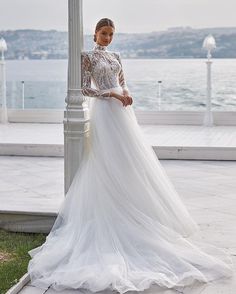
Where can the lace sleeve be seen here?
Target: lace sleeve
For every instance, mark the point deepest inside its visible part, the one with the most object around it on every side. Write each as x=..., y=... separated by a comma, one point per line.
x=122, y=81
x=86, y=79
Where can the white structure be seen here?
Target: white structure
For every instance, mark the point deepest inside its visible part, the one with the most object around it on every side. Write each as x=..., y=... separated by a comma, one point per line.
x=159, y=95
x=3, y=47
x=23, y=94
x=76, y=120
x=209, y=44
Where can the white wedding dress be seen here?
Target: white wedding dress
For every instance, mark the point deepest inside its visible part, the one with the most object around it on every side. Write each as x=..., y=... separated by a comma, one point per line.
x=122, y=226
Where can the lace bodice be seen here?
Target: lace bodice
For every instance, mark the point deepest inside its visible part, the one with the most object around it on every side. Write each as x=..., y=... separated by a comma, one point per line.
x=104, y=68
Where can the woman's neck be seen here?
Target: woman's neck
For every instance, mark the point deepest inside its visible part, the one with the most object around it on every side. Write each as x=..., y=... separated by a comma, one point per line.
x=100, y=47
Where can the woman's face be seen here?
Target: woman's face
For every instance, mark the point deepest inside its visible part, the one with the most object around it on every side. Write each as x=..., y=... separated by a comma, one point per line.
x=104, y=35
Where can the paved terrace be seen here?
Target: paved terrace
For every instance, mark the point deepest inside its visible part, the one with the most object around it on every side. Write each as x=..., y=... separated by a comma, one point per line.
x=168, y=141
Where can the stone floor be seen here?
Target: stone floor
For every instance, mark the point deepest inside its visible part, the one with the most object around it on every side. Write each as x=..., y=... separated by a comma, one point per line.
x=166, y=135
x=168, y=141
x=208, y=188
x=31, y=183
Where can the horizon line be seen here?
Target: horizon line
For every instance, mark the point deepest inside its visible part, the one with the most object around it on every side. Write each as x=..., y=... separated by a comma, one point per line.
x=161, y=30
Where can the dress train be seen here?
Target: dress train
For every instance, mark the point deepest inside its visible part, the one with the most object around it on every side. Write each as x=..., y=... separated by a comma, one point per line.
x=122, y=226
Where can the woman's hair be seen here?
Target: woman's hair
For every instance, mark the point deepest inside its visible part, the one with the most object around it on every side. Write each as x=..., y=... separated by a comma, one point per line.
x=101, y=23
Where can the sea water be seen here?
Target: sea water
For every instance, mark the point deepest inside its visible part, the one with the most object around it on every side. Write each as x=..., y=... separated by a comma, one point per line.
x=166, y=84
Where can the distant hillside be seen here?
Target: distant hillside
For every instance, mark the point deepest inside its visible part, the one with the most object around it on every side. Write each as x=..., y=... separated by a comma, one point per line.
x=35, y=44
x=173, y=43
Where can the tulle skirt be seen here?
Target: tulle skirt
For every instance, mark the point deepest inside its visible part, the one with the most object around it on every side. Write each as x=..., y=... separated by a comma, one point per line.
x=122, y=226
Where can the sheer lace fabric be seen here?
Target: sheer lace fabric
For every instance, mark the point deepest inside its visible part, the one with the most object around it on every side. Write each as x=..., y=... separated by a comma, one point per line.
x=105, y=69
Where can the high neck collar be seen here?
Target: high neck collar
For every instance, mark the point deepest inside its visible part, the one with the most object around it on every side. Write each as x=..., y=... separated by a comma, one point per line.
x=99, y=47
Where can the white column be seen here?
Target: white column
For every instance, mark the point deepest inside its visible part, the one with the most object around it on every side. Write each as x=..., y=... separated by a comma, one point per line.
x=208, y=117
x=4, y=116
x=76, y=117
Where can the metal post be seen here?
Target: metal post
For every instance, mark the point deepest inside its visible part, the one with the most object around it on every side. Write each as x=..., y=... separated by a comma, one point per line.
x=159, y=95
x=23, y=94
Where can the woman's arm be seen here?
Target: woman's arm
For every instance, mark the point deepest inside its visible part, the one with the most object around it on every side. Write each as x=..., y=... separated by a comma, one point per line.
x=121, y=76
x=86, y=80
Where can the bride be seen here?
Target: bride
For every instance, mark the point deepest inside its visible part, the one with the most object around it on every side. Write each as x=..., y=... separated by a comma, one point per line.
x=122, y=226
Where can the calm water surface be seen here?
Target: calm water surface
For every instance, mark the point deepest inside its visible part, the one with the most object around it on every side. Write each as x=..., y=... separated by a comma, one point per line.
x=183, y=83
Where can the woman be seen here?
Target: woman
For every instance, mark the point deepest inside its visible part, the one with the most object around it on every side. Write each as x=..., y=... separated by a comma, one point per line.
x=122, y=226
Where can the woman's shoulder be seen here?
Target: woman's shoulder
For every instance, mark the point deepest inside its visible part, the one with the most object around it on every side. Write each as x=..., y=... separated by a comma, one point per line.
x=116, y=53
x=86, y=52
x=86, y=56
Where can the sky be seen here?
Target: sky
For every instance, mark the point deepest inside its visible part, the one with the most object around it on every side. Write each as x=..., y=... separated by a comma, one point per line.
x=129, y=16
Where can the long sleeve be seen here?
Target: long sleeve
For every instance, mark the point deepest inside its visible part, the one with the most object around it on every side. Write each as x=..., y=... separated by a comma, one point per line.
x=122, y=81
x=86, y=79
